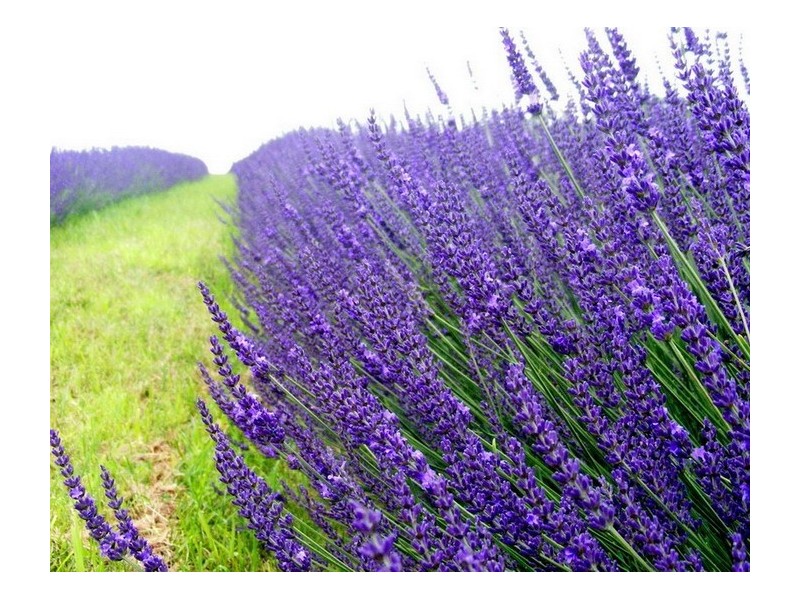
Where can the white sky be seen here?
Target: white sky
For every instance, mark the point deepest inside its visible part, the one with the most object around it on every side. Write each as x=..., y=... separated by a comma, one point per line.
x=218, y=83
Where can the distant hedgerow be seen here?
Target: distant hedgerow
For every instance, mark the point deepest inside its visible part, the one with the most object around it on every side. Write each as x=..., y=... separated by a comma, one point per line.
x=90, y=179
x=516, y=342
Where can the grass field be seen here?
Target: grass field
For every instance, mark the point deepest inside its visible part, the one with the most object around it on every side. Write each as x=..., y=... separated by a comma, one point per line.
x=127, y=327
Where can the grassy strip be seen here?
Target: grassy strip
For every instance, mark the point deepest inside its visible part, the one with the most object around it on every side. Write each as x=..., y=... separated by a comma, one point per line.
x=127, y=327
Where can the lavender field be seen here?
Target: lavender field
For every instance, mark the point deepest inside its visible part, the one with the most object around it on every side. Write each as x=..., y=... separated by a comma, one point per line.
x=90, y=179
x=509, y=341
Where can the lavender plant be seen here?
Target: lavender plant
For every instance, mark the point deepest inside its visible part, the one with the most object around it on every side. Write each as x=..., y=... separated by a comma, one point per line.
x=116, y=544
x=90, y=179
x=516, y=343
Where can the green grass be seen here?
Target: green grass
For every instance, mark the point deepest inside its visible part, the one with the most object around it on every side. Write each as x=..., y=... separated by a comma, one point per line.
x=127, y=327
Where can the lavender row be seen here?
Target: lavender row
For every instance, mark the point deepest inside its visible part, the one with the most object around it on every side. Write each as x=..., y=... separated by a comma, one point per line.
x=519, y=341
x=90, y=179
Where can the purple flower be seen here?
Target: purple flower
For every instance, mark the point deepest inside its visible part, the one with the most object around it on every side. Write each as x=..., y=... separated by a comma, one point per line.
x=135, y=543
x=113, y=545
x=523, y=82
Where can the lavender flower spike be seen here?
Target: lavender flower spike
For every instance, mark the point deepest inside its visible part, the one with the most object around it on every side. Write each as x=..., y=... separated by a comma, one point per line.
x=523, y=82
x=138, y=546
x=112, y=545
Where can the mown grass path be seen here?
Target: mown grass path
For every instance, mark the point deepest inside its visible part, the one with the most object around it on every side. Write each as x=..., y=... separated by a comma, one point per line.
x=127, y=327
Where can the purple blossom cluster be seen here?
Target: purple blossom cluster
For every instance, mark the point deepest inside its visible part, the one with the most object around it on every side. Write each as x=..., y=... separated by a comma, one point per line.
x=89, y=179
x=519, y=342
x=114, y=544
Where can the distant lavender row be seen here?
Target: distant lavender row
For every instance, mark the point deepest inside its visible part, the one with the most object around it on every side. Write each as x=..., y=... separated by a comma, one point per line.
x=89, y=179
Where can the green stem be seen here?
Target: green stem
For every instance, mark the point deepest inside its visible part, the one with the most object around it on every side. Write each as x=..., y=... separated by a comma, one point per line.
x=715, y=414
x=561, y=158
x=700, y=286
x=630, y=549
